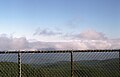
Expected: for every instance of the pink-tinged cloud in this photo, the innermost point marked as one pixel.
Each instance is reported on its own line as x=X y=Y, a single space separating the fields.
x=85 y=40
x=89 y=35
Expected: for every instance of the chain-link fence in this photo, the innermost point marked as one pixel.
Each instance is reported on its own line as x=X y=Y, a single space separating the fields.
x=9 y=65
x=65 y=63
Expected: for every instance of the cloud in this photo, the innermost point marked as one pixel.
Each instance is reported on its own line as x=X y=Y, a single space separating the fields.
x=46 y=32
x=9 y=43
x=84 y=40
x=88 y=35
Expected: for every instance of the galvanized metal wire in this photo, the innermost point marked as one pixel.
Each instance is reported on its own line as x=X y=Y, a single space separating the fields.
x=60 y=63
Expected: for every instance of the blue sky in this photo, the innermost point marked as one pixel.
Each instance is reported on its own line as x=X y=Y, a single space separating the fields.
x=24 y=17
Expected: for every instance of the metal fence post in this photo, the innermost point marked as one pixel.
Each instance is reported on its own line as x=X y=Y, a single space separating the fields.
x=72 y=67
x=19 y=64
x=119 y=59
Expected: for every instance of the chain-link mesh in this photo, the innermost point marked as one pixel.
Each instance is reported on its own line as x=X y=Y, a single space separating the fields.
x=46 y=65
x=96 y=64
x=60 y=63
x=9 y=65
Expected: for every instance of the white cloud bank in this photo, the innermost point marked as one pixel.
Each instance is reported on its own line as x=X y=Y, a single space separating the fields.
x=86 y=40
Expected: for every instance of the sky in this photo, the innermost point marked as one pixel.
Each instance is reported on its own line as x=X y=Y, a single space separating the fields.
x=81 y=23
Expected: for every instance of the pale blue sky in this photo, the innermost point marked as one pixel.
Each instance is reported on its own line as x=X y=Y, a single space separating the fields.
x=23 y=17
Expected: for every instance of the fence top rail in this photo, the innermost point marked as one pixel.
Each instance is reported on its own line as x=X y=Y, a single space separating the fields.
x=59 y=51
